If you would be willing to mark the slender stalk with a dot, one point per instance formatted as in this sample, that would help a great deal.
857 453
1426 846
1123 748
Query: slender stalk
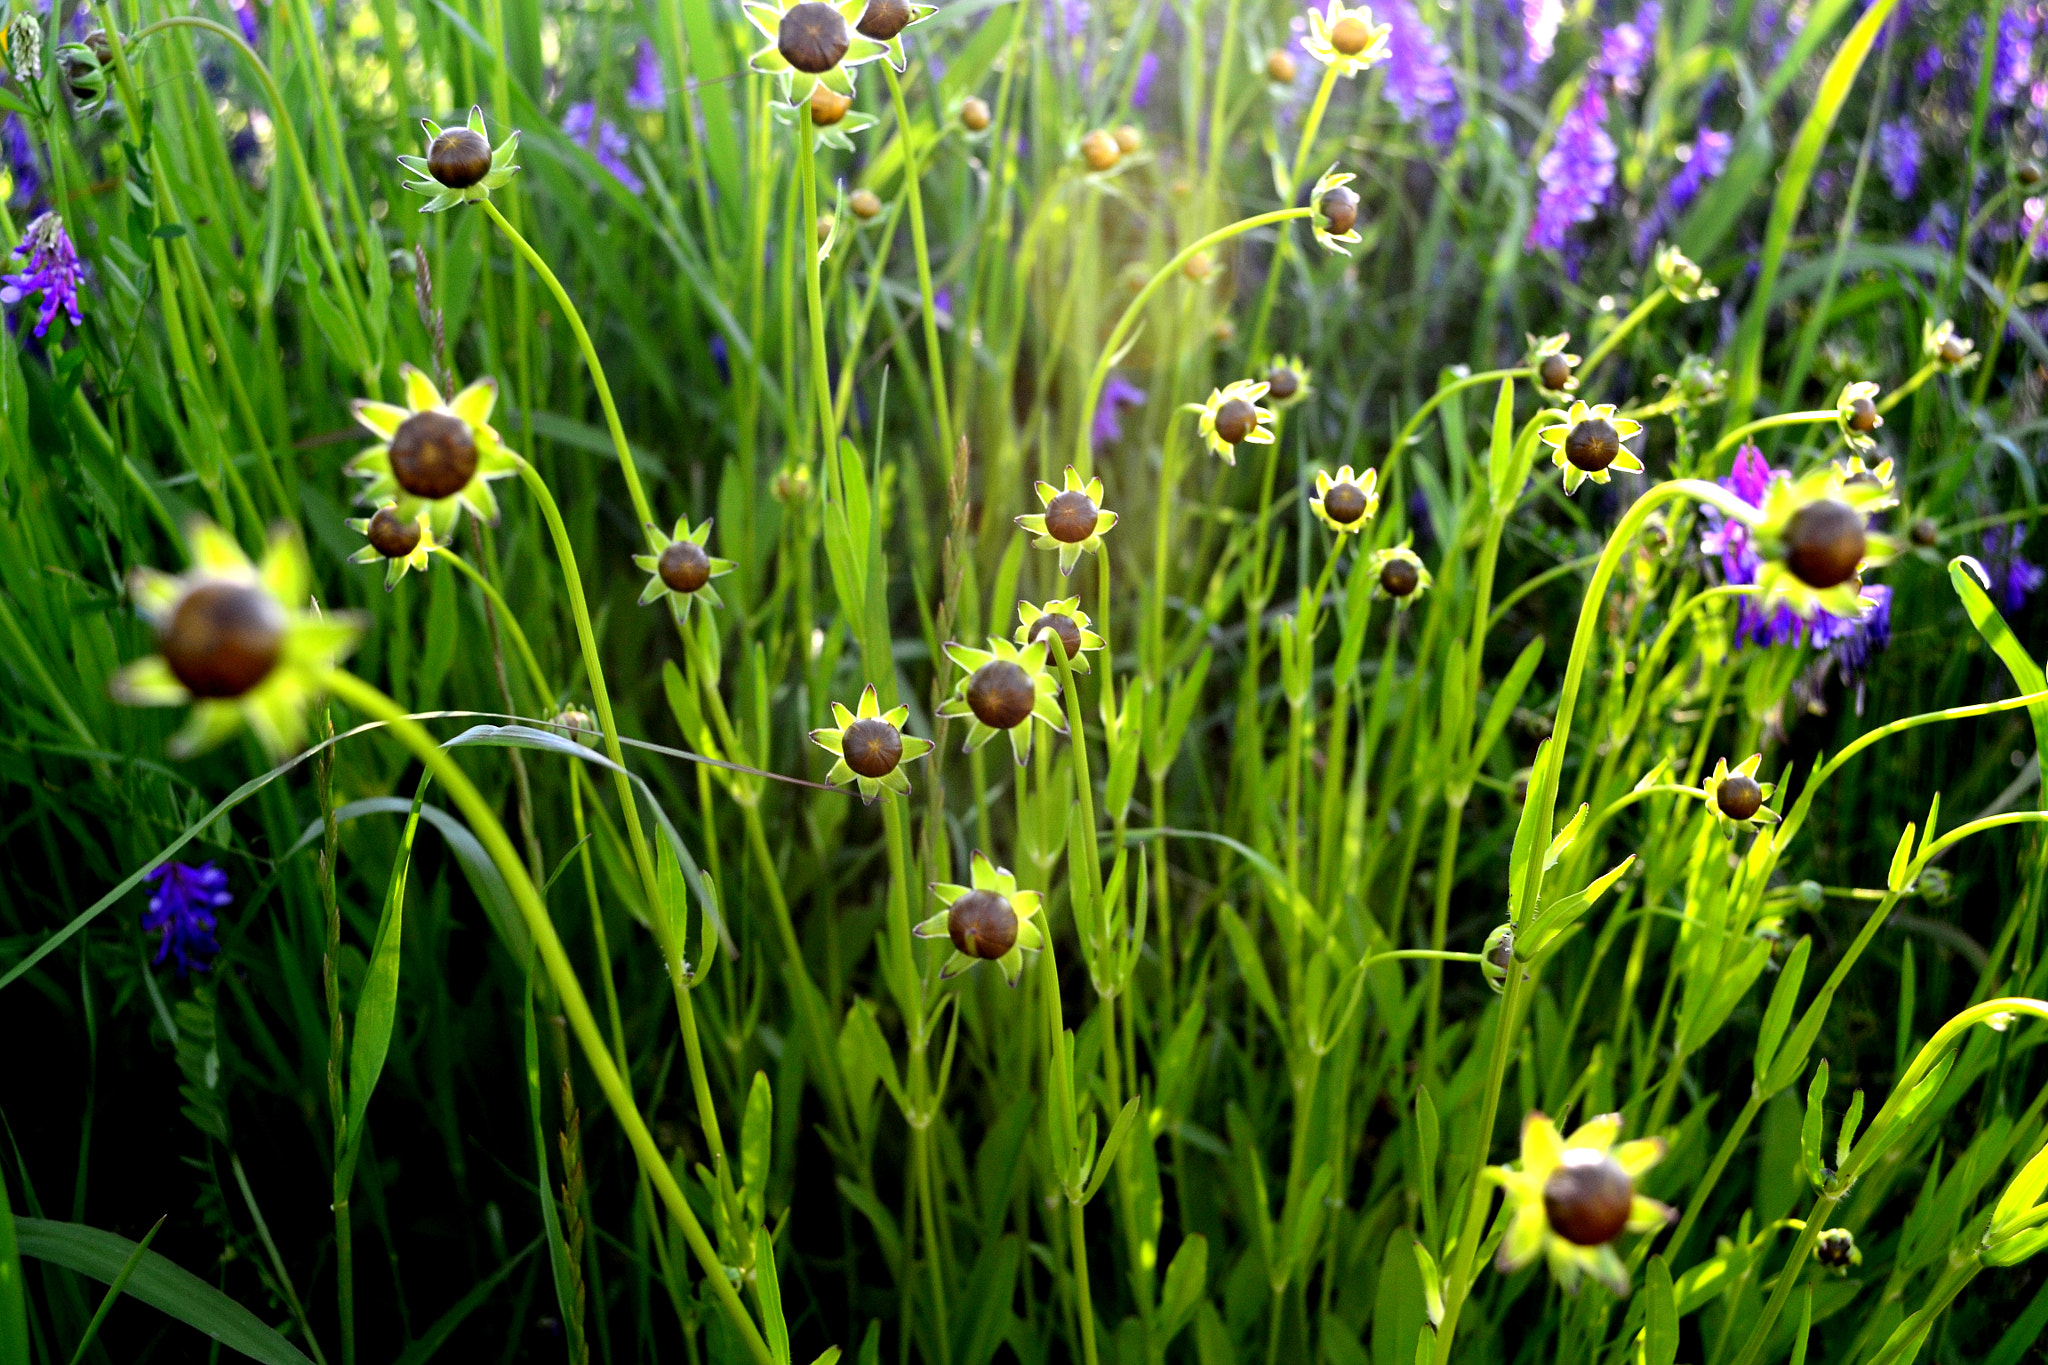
821 378
1403 437
543 695
1284 243
1649 305
935 360
1783 419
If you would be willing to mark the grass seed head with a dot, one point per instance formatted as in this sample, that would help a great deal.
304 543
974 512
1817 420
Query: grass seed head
1593 444
1863 416
1555 372
865 203
1100 150
433 454
872 747
1398 577
1070 517
1282 383
223 638
974 113
1128 138
1280 68
812 37
1739 796
1235 420
982 924
1339 208
1345 502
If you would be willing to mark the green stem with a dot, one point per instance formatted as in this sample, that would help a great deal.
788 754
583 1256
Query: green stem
935 358
1905 390
1622 329
543 696
1478 1196
1429 405
821 378
1284 243
1783 419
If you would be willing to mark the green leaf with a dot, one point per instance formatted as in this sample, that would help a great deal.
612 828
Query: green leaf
1118 1132
768 1292
756 1132
559 1259
1501 710
1186 1279
156 1281
343 338
1660 1332
1902 859
1251 965
1810 1130
1784 995
13 1298
436 1336
1966 576
377 1000
1847 1139
1432 1283
2025 1190
1504 472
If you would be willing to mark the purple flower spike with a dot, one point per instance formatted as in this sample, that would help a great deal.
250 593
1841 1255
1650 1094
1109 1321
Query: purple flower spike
1898 156
2013 577
647 94
1852 643
1540 21
182 910
1576 172
1418 72
602 139
21 159
52 270
1625 50
2012 66
1118 393
1141 86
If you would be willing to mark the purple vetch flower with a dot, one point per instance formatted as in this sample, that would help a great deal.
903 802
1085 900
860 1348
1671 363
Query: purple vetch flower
1118 393
245 15
1898 156
1141 87
1418 71
1704 158
2013 577
1927 66
182 910
1938 228
21 159
1625 48
721 356
52 270
942 305
1576 172
2012 65
647 94
1852 643
1540 21
603 139
2032 213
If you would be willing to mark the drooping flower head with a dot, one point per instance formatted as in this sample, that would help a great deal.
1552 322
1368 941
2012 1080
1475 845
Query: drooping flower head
1735 797
1553 364
401 544
1347 502
681 570
1398 573
181 910
1060 619
1231 416
1003 690
1346 38
990 921
433 455
461 166
1574 1196
235 641
603 139
1856 413
884 22
1681 275
1336 217
48 268
1576 172
1941 343
1074 520
811 42
1590 443
871 747
1287 381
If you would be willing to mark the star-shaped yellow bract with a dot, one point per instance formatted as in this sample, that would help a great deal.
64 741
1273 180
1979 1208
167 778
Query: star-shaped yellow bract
1248 391
1398 554
767 16
1366 485
1784 500
1029 629
1881 475
1332 179
503 168
273 705
395 566
1074 520
1862 391
1323 32
989 880
983 725
1558 438
1710 791
1530 1229
678 594
1542 349
1296 366
472 407
880 747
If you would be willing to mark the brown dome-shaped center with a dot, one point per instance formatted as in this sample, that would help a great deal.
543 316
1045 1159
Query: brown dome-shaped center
1863 416
812 37
1070 517
974 113
1282 383
1340 209
828 106
1061 626
872 747
1592 445
1235 419
223 638
1824 543
1001 695
1345 503
684 567
1554 372
1398 578
982 924
392 537
433 455
1738 796
459 158
1587 1197
1350 35
884 19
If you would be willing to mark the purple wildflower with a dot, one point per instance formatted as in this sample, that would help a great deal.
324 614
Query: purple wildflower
721 356
2012 66
1540 20
1418 71
21 159
647 94
1852 643
1927 66
1118 393
603 140
1701 161
181 909
1938 228
52 271
1576 172
245 15
1141 86
1898 156
1625 49
2013 577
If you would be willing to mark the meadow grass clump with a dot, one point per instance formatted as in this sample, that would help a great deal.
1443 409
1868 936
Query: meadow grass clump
1528 853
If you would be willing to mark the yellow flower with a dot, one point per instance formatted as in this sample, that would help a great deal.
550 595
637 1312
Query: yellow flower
1064 619
1590 442
1857 414
1879 476
1074 520
1940 343
992 921
1287 379
1345 37
1574 1196
1346 503
432 455
1232 415
235 641
401 544
1336 217
1736 797
1399 574
1814 543
682 571
811 43
1005 689
871 747
1553 364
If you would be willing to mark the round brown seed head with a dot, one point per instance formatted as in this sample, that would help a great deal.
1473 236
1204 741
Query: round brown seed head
1863 416
1001 695
1587 1197
884 19
1835 1248
1398 577
433 455
1738 796
1282 383
1954 350
1592 445
1063 627
223 638
1925 533
812 37
1280 67
1100 150
1340 210
391 537
2030 173
828 106
872 747
864 203
1553 373
974 114
684 567
1070 517
1350 35
1345 503
1128 138
982 924
459 158
1235 419
1824 543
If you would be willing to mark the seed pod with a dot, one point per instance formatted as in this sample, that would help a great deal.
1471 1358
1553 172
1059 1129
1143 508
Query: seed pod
1340 210
872 747
1955 350
1128 138
1282 383
1100 150
1739 796
1497 959
684 567
1554 373
974 114
1824 543
459 158
826 222
1001 695
1836 1249
812 37
828 106
1592 445
1344 503
1398 578
1925 533
1070 517
1280 67
884 19
1934 886
433 455
982 924
223 639
1235 419
1587 1197
864 203
1863 416
391 537
1063 628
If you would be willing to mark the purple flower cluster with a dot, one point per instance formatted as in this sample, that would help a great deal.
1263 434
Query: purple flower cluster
603 139
1418 72
1540 21
52 270
1701 162
21 159
647 94
2013 578
1898 156
2012 65
1625 49
181 909
1118 393
1576 172
1141 84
